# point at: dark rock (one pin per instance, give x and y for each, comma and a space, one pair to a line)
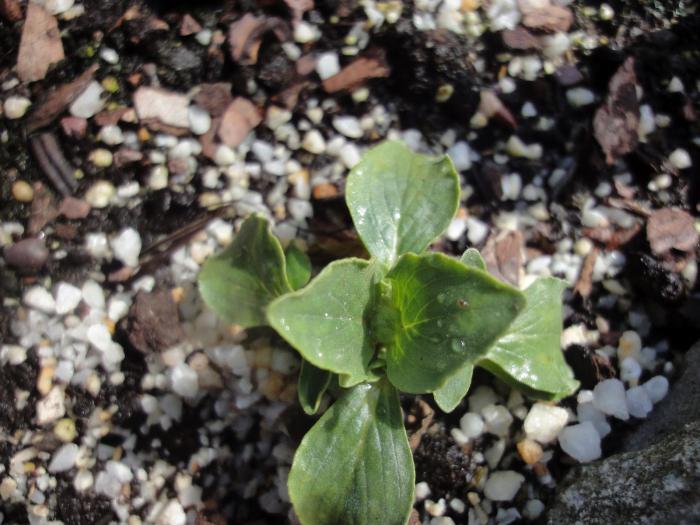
153, 323
589, 368
27, 254
653, 280
442, 464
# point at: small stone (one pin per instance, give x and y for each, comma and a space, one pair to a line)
200, 120
349, 155
327, 65
89, 102
57, 7
67, 298
497, 419
435, 508
533, 509
476, 231
165, 106
579, 97
422, 491
65, 430
589, 412
348, 126
51, 407
657, 388
64, 458
609, 398
680, 159
629, 345
40, 299
27, 254
544, 422
494, 453
472, 425
111, 135
224, 156
83, 480
314, 142
127, 246
93, 295
22, 191
101, 157
581, 442
13, 354
16, 107
481, 397
172, 514
638, 402
109, 55
305, 32
503, 485
100, 194
460, 153
184, 381
530, 451
630, 370
8, 486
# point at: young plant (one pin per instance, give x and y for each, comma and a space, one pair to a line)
405, 320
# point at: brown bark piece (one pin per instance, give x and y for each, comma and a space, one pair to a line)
616, 121
239, 119
43, 209
153, 323
503, 255
40, 45
72, 208
357, 72
58, 100
544, 16
671, 229
215, 98
243, 44
584, 284
189, 26
520, 38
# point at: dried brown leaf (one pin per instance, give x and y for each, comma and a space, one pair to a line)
357, 72
669, 228
239, 119
40, 45
584, 284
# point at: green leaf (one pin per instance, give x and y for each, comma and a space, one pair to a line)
448, 314
313, 382
298, 266
528, 355
240, 282
355, 466
449, 395
400, 201
472, 257
327, 320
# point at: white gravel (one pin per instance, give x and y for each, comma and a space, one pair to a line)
544, 422
503, 485
581, 442
609, 398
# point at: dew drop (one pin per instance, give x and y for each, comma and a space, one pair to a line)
458, 345
441, 298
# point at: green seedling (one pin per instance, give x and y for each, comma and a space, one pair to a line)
405, 320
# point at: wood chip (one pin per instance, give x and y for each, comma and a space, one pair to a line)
239, 119
153, 323
189, 26
57, 100
357, 72
245, 36
612, 238
72, 208
166, 107
215, 98
11, 10
546, 17
40, 45
43, 209
584, 284
669, 228
520, 38
503, 255
616, 121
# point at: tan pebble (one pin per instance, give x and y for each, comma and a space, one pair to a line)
29, 467
530, 451
64, 430
289, 394
177, 294
470, 5
473, 498
272, 386
144, 135
280, 212
7, 488
45, 379
93, 384
22, 191
325, 190
117, 454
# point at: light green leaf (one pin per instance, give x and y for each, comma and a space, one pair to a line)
313, 383
298, 266
449, 395
354, 467
327, 320
400, 201
472, 257
447, 314
529, 354
240, 282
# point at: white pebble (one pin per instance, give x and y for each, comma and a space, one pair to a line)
588, 412
494, 453
100, 194
56, 7
629, 345
184, 381
581, 442
327, 65
442, 520
511, 185
680, 159
349, 155
456, 229
111, 135
96, 245
638, 402
472, 425
98, 335
109, 55
657, 388
204, 37
579, 97
476, 231
305, 32
89, 102
460, 153
200, 120
544, 422
609, 398
127, 246
503, 485
83, 480
503, 14
172, 514
51, 407
497, 419
40, 299
630, 370
348, 126
67, 298
64, 458
422, 491
93, 295
314, 142
481, 397
118, 307
158, 178
16, 107
435, 508
224, 156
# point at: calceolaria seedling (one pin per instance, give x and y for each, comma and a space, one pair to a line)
405, 320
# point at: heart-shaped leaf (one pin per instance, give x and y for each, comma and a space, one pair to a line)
400, 201
471, 257
529, 355
240, 282
448, 314
355, 466
327, 320
298, 266
449, 395
313, 383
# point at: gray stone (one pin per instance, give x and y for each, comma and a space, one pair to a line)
655, 479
